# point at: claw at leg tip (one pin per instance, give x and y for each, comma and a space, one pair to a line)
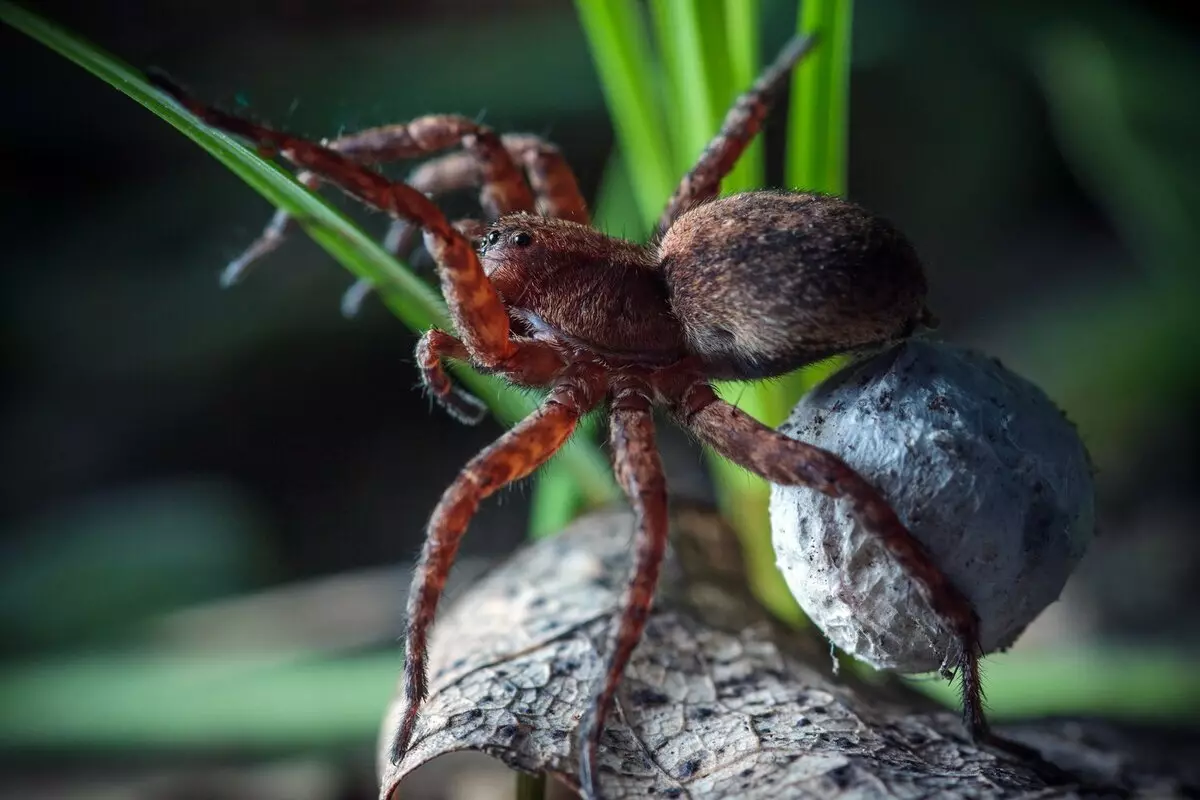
233, 273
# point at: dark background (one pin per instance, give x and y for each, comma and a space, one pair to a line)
166, 445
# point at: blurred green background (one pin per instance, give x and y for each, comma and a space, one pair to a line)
211, 498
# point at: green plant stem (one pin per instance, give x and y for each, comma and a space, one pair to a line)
816, 159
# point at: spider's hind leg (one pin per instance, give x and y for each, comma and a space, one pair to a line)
788, 462
741, 125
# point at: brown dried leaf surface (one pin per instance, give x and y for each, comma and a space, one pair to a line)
718, 702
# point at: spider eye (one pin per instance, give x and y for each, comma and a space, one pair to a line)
492, 237
522, 239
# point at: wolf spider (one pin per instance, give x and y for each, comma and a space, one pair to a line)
747, 286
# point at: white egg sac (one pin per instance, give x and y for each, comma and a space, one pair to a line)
980, 465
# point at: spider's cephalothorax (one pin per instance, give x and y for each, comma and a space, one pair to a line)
747, 286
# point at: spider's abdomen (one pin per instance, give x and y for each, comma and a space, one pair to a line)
766, 282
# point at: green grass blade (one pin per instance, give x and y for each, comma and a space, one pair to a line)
819, 134
413, 301
816, 154
745, 60
691, 38
620, 49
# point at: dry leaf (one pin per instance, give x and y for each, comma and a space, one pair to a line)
718, 700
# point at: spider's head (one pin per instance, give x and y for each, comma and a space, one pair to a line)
526, 252
557, 275
506, 243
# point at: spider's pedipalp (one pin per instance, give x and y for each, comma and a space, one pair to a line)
513, 456
533, 364
742, 123
788, 462
432, 347
640, 472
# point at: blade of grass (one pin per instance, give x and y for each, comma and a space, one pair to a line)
745, 60
413, 301
691, 38
697, 43
819, 119
818, 135
620, 49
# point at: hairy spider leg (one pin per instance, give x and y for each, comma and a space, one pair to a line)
787, 462
514, 455
503, 188
741, 125
475, 306
639, 470
488, 163
433, 178
555, 187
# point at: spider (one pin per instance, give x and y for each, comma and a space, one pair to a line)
743, 287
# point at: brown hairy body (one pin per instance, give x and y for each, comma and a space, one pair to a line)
747, 286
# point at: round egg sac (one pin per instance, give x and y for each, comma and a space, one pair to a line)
980, 465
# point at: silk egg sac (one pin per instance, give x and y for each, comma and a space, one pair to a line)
980, 465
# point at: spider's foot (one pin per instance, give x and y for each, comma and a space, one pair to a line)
967, 669
466, 408
404, 736
235, 270
588, 748
353, 298
268, 242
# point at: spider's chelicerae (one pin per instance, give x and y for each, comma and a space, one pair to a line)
747, 286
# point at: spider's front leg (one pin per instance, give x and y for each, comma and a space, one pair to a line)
779, 459
475, 306
513, 456
742, 123
434, 178
640, 473
491, 163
